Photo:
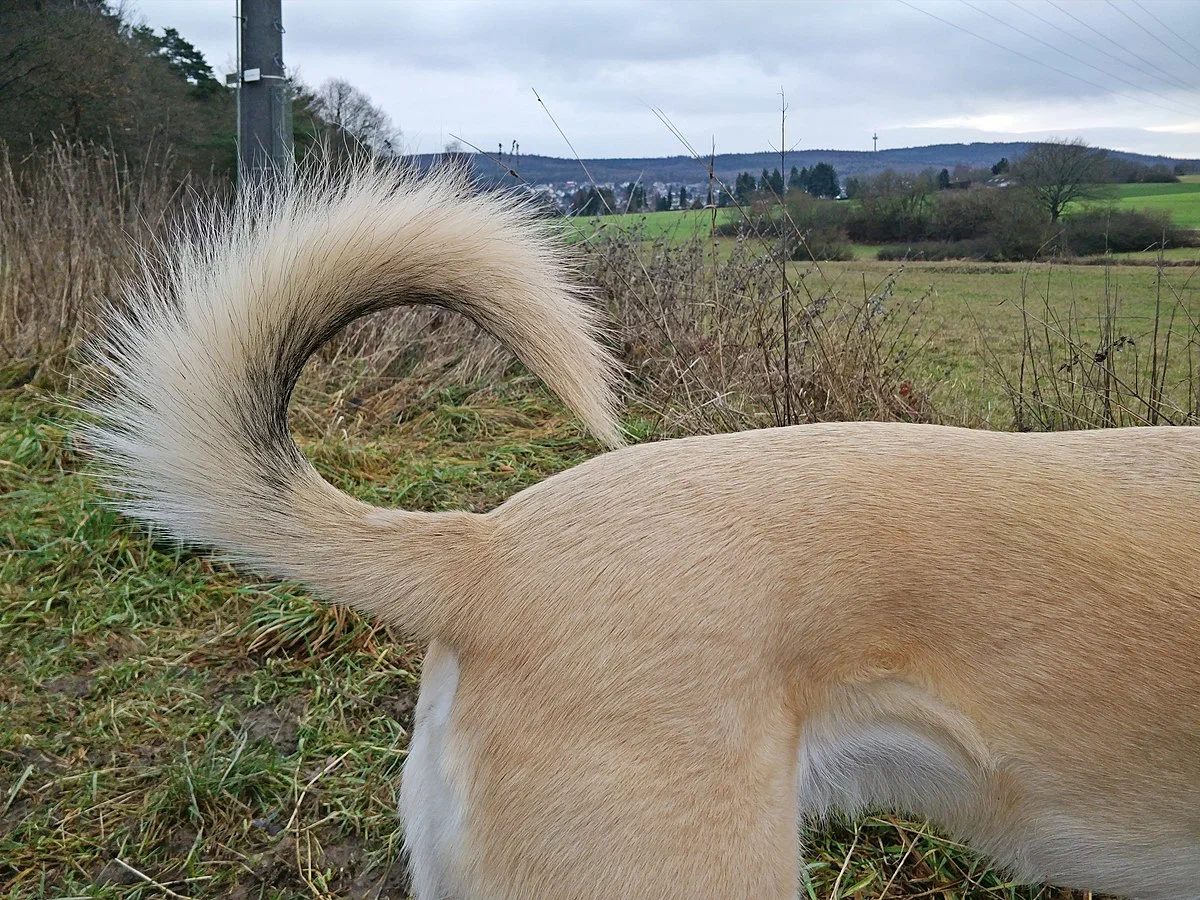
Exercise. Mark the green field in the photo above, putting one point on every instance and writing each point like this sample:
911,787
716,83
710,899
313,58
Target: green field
1181,201
970,318
678,224
1174,255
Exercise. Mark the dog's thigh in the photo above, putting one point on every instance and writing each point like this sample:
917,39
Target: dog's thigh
566,788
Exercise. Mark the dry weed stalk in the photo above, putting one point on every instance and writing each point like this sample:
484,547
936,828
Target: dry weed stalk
70,215
1081,368
705,337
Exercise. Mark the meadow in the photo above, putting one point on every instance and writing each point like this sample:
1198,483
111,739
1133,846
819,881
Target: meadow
975,320
676,224
1181,200
170,727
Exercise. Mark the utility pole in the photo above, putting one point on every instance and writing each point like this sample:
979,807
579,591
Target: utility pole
875,141
264,96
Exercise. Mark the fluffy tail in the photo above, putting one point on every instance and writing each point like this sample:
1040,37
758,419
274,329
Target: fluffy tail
202,358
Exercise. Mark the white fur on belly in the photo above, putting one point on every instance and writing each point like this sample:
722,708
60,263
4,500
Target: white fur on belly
432,810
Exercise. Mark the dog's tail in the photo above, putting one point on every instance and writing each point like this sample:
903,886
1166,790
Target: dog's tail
202,357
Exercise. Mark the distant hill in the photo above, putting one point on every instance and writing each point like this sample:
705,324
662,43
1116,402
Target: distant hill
683,169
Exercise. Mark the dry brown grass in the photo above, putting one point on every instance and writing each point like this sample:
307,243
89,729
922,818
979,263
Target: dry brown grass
73,220
716,340
720,341
70,218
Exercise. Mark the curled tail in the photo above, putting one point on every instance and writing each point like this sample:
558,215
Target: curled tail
202,358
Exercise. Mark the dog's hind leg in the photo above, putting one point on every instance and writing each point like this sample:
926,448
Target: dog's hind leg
517,789
431,803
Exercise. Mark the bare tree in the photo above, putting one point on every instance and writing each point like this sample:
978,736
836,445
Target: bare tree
1061,172
347,109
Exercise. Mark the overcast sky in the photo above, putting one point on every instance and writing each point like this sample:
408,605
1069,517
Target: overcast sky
715,69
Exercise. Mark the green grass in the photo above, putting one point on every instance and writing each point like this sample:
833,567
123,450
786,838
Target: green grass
222,736
675,224
1181,201
970,318
865,251
1174,255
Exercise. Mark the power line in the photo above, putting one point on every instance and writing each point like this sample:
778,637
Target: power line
1175,34
1153,35
1070,56
1038,62
1119,46
1162,74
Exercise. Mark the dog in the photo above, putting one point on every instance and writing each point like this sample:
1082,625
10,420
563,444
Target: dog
644,672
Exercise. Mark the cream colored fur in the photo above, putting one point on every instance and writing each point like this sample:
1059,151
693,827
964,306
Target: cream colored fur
645,670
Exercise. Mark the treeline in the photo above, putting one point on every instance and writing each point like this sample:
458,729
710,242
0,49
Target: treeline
78,70
81,71
820,181
1052,202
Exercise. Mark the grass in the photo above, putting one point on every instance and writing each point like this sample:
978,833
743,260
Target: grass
1188,256
971,319
223,738
865,251
1181,200
674,224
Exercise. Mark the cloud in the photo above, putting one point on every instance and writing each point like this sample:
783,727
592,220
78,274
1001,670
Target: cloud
849,69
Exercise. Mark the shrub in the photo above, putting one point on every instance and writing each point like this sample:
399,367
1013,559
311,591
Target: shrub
964,215
933,251
893,207
999,226
810,229
815,229
1104,229
735,341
